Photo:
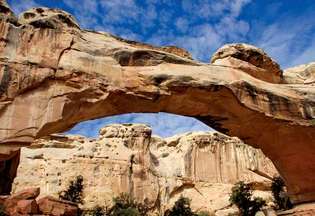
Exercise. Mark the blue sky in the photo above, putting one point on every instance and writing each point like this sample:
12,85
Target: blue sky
285,29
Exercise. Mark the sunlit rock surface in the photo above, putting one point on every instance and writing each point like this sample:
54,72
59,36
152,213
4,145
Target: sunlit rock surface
54,74
126,158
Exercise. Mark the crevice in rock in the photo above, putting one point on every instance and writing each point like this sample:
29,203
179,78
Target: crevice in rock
5,80
64,51
8,169
130,176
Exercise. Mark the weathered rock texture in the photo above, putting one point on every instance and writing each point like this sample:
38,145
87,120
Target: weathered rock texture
302,74
24,203
125,158
54,74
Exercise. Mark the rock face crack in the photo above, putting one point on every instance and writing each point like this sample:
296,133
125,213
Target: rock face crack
64,51
130,176
5,80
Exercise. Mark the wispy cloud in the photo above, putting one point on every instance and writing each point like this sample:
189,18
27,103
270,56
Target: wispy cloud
289,39
167,22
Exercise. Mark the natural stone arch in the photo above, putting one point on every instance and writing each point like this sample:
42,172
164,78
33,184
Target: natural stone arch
54,75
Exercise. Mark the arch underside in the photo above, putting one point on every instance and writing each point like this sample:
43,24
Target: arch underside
52,79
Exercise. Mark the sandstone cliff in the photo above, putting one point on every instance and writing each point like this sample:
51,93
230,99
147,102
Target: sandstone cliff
126,158
53,74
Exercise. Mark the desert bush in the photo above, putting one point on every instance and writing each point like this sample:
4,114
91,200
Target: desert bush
203,213
125,205
2,211
280,196
241,196
96,211
181,207
74,192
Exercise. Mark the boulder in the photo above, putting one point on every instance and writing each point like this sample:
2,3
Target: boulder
22,201
27,207
51,206
250,59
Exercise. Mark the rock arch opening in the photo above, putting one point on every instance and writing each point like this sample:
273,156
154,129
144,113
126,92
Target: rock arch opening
162,124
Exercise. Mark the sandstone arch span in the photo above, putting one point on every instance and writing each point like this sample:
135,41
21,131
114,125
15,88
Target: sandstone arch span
54,75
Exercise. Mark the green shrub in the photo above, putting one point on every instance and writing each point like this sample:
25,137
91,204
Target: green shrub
203,213
97,211
241,196
280,196
124,205
74,192
181,207
2,211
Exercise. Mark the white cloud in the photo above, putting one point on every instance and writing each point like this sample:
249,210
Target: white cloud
182,24
163,124
306,56
288,40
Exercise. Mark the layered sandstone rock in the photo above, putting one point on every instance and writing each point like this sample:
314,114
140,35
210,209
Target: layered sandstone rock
125,158
24,203
302,74
250,59
54,76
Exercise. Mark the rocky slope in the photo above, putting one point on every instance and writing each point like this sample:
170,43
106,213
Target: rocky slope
53,74
126,158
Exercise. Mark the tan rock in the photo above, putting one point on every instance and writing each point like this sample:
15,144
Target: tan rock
250,59
48,18
53,78
302,74
6,13
125,159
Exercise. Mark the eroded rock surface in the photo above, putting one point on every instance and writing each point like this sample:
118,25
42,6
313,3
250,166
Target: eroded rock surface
250,59
53,78
126,158
302,74
24,203
47,18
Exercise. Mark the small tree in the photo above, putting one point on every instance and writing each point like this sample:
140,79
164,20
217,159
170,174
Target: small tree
280,196
124,205
97,211
181,207
74,191
241,196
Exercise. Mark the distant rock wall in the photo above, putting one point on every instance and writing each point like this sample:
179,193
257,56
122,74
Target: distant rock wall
126,158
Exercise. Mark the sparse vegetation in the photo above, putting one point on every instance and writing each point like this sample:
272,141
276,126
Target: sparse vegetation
124,205
280,196
241,196
204,213
181,207
97,211
2,211
74,192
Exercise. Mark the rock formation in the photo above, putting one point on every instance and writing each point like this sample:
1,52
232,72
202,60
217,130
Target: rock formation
126,158
24,203
54,74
